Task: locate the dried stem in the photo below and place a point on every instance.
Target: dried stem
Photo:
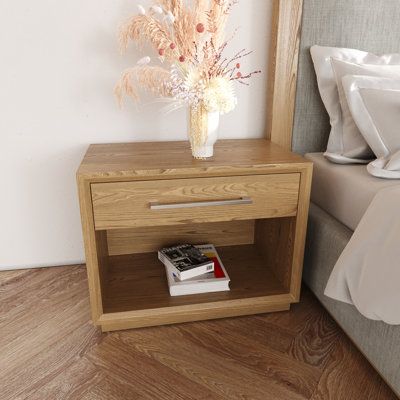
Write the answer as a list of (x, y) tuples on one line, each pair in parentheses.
[(154, 79), (142, 28), (241, 77)]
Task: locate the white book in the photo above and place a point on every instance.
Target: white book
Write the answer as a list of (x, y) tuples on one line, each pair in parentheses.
[(216, 281)]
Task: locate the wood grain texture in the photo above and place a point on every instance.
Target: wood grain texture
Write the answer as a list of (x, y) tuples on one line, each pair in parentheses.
[(69, 384), (139, 280), (282, 241), (151, 239), (277, 371), (173, 160), (284, 53), (127, 204), (196, 312), (95, 248), (109, 387), (50, 351), (361, 383), (276, 181), (44, 329), (301, 230), (137, 292), (193, 361), (274, 239), (315, 340)]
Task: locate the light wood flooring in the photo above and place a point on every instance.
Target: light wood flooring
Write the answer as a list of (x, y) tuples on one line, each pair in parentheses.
[(49, 350)]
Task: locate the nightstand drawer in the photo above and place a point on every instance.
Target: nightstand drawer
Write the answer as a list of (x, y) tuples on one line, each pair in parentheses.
[(183, 201)]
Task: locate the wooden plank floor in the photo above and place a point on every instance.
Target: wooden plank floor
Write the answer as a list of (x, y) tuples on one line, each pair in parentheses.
[(49, 350)]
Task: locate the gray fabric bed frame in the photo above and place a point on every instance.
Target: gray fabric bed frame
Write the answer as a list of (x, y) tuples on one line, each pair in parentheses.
[(371, 25)]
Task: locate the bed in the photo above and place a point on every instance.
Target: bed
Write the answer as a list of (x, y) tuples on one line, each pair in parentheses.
[(363, 24), (344, 191)]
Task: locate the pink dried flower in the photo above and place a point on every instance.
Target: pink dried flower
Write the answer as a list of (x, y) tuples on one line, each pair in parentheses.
[(200, 28)]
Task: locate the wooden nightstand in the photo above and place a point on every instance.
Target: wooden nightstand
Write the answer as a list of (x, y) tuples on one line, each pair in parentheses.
[(126, 192)]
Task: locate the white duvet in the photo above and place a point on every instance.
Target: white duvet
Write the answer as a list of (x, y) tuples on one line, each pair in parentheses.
[(367, 273)]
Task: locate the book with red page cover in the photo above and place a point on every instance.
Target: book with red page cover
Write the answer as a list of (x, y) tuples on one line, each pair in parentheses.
[(216, 281)]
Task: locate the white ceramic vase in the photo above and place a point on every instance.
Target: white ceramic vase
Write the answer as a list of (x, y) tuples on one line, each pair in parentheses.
[(203, 129)]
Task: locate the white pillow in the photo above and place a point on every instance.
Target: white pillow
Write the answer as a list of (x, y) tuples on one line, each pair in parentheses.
[(354, 144), (375, 106), (344, 147)]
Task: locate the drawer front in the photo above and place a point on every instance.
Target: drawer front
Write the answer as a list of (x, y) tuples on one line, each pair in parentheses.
[(182, 201)]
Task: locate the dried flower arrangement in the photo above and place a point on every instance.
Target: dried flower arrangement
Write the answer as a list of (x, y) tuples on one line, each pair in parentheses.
[(189, 40)]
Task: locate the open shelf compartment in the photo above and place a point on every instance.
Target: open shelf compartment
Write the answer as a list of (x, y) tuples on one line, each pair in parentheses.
[(258, 261), (138, 281)]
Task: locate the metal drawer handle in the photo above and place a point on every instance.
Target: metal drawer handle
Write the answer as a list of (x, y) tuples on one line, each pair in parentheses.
[(235, 202)]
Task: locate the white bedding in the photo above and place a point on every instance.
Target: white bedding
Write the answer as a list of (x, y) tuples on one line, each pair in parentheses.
[(367, 273), (344, 191)]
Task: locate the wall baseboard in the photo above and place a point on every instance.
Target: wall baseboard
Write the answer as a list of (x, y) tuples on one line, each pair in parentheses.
[(34, 266)]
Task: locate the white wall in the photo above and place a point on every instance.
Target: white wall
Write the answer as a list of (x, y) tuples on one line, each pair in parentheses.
[(59, 62)]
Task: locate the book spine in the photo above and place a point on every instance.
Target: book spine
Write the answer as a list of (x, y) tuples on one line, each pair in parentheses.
[(201, 270), (169, 264)]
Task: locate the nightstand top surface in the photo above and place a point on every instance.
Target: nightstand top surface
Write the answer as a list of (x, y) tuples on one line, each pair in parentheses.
[(168, 160)]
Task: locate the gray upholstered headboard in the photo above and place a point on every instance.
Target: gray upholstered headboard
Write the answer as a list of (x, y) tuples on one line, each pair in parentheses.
[(371, 25)]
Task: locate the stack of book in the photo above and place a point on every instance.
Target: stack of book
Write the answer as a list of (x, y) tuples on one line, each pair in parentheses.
[(194, 269)]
